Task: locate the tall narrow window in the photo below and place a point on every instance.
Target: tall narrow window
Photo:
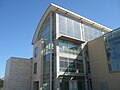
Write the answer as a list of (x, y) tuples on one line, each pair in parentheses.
[(35, 68), (36, 52)]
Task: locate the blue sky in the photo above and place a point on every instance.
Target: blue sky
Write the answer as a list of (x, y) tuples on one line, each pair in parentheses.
[(19, 19)]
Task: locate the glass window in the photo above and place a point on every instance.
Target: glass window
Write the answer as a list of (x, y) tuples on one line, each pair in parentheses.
[(69, 47), (35, 68), (77, 29), (112, 42), (114, 65), (45, 29), (44, 35), (62, 24), (91, 33), (68, 26), (71, 65), (79, 65), (35, 52)]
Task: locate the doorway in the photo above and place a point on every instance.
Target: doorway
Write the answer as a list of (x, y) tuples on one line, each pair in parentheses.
[(36, 85)]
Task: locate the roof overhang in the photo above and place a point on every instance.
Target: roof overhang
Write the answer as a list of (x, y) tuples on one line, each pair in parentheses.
[(71, 39), (54, 7)]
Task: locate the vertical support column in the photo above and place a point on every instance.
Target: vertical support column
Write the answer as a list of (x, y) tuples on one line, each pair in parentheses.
[(84, 65), (51, 50), (57, 86), (41, 64), (84, 62), (57, 47), (81, 31)]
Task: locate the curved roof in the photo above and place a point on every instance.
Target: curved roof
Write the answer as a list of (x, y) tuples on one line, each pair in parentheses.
[(54, 7)]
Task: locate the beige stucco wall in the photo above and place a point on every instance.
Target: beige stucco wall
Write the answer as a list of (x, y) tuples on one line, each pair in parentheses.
[(99, 66), (18, 74)]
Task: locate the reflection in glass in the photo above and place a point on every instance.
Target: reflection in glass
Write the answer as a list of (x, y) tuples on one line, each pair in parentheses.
[(69, 47), (71, 65), (112, 42)]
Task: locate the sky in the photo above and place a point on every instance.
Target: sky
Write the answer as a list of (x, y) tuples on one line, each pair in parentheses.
[(19, 19)]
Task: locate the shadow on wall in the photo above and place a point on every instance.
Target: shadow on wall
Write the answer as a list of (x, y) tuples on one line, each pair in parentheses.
[(75, 72)]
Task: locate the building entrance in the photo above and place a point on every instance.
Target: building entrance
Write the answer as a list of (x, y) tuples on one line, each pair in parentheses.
[(36, 85), (72, 84)]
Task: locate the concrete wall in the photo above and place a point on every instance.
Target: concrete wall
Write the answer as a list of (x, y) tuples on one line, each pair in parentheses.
[(99, 67), (18, 74), (39, 60), (1, 88)]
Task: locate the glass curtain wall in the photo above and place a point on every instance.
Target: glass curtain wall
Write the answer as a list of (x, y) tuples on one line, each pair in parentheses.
[(91, 33), (71, 65), (69, 47), (112, 42), (45, 52), (68, 26), (77, 83)]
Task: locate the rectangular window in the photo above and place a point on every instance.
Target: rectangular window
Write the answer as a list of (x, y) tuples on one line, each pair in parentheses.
[(63, 64), (91, 33), (36, 52), (70, 27), (69, 47), (71, 65), (35, 68)]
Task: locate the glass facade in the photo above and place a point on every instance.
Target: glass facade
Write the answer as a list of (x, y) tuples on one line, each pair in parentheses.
[(91, 33), (71, 65), (78, 83), (45, 52), (69, 47), (70, 27), (112, 42)]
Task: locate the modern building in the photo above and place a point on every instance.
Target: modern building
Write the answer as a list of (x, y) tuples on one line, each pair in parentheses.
[(59, 51), (104, 57)]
